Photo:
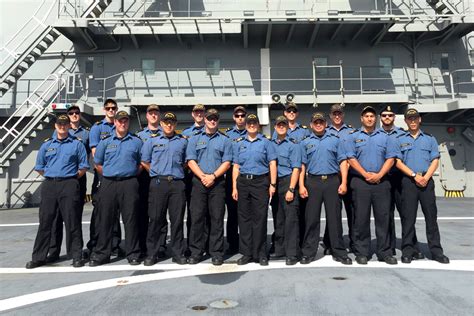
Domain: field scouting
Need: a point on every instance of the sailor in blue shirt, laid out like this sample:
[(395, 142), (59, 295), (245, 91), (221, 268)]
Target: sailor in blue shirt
[(117, 158), (209, 155), (163, 156), (99, 131), (81, 133), (419, 160), (232, 227), (371, 154), (285, 203), (254, 159), (152, 129), (295, 130), (323, 178), (198, 117), (61, 160), (387, 118), (341, 129)]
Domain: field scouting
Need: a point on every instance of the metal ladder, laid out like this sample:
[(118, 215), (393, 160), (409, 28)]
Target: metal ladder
[(29, 118), (20, 59), (444, 6)]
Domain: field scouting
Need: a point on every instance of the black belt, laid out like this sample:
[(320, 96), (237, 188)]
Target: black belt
[(60, 178), (119, 178), (322, 176), (253, 176), (167, 178)]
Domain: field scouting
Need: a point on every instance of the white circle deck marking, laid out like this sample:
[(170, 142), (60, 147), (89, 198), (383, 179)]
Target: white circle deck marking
[(203, 269)]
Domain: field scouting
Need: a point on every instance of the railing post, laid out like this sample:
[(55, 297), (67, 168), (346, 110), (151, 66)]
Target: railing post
[(404, 84), (341, 75), (451, 82), (103, 90), (361, 79), (134, 82), (177, 82), (314, 82)]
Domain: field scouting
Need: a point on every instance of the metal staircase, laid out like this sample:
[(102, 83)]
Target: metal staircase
[(444, 6), (29, 118), (20, 60)]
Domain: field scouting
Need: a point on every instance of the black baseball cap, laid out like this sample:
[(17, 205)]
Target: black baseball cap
[(73, 107), (169, 116), (291, 105), (368, 108), (122, 114), (153, 107), (240, 108), (336, 108), (62, 119), (281, 119), (252, 118), (412, 112), (212, 113), (318, 116)]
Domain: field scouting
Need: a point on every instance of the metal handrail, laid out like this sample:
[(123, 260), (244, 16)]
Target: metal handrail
[(12, 51), (42, 95), (452, 84)]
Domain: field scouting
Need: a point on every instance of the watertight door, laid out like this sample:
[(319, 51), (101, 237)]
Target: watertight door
[(452, 167)]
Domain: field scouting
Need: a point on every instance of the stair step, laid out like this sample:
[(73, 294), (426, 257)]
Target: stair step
[(9, 81), (48, 41)]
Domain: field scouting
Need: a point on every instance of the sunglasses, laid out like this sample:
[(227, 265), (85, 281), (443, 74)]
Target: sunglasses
[(336, 113), (212, 119), (386, 115), (110, 108), (292, 111), (239, 115), (73, 113)]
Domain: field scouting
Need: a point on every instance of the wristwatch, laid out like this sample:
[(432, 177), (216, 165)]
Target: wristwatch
[(413, 175), (273, 185), (292, 190)]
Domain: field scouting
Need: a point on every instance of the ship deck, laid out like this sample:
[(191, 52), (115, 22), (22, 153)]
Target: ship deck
[(322, 287)]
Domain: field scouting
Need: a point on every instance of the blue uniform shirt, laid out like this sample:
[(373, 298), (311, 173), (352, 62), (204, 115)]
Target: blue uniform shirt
[(99, 131), (371, 150), (235, 133), (322, 155), (61, 158), (394, 133), (166, 155), (342, 132), (288, 156), (192, 130), (298, 133), (418, 153), (119, 157), (254, 157), (81, 133), (209, 151), (146, 133)]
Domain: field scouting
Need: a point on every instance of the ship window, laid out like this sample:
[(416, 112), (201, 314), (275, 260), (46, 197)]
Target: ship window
[(148, 67), (385, 65), (321, 61), (89, 65), (444, 62), (213, 66)]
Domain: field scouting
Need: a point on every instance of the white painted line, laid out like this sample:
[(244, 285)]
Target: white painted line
[(205, 269), (447, 218)]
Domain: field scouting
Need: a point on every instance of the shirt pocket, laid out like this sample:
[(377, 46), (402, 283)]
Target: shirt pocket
[(284, 160), (158, 152), (69, 158), (242, 155)]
